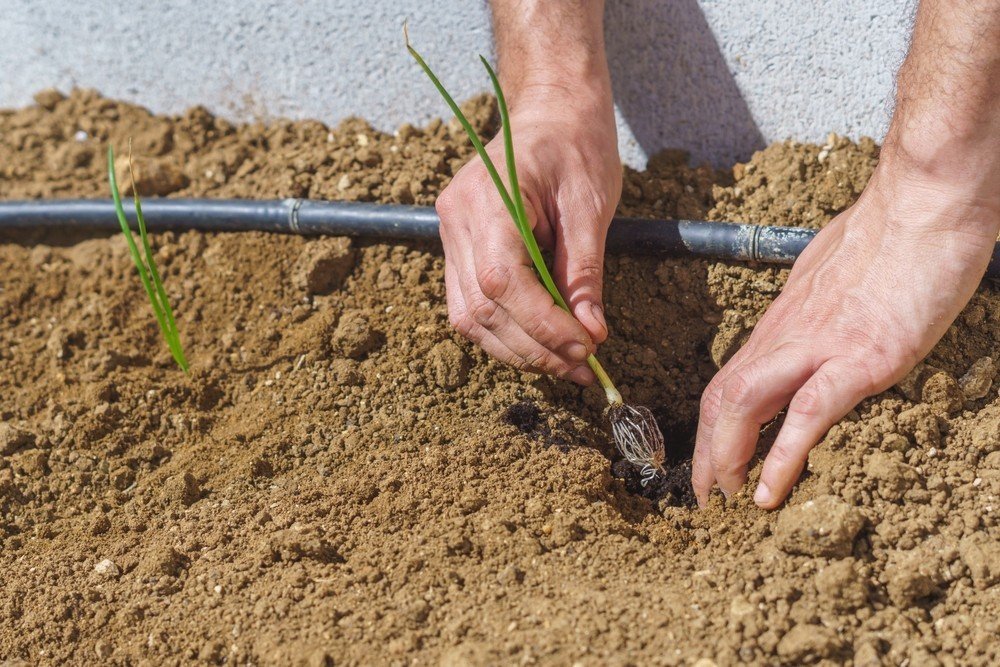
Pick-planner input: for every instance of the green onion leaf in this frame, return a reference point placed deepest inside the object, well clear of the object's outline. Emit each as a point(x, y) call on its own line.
point(148, 273)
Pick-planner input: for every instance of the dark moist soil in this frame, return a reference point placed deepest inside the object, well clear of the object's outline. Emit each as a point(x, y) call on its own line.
point(671, 488)
point(342, 479)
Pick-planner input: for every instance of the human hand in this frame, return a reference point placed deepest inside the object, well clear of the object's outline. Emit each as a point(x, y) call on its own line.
point(570, 176)
point(869, 298)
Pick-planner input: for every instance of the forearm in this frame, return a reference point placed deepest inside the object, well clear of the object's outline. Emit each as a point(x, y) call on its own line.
point(547, 45)
point(946, 125)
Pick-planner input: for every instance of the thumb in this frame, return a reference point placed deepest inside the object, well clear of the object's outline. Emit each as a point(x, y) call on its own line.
point(579, 270)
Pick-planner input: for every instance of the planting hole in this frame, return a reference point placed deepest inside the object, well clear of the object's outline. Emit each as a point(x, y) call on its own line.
point(674, 489)
point(523, 415)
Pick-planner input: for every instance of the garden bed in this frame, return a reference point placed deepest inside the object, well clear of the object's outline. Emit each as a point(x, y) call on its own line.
point(343, 479)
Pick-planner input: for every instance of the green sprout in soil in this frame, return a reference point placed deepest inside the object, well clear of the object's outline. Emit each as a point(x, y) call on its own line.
point(148, 273)
point(636, 434)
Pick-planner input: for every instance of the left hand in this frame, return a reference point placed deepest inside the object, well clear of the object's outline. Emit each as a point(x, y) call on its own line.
point(867, 300)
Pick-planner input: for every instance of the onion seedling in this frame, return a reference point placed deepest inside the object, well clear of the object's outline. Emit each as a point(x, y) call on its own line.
point(148, 273)
point(636, 434)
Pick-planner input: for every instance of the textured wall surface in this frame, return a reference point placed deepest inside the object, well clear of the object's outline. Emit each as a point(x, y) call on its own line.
point(717, 77)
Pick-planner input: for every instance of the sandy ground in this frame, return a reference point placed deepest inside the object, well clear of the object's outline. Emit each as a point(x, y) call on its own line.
point(343, 480)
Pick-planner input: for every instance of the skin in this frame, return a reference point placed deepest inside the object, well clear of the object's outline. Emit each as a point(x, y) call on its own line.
point(852, 319)
point(570, 174)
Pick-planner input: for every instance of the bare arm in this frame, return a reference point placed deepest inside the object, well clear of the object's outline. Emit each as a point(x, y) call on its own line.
point(555, 76)
point(885, 279)
point(947, 119)
point(541, 43)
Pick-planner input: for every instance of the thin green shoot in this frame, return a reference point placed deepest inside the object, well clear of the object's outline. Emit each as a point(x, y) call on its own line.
point(514, 204)
point(145, 264)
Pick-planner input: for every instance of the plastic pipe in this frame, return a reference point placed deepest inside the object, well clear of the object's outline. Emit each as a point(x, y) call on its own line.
point(723, 240)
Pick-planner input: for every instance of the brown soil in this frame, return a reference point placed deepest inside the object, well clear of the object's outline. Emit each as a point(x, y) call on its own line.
point(342, 479)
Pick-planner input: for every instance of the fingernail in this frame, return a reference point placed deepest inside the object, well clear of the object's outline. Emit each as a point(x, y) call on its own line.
point(598, 314)
point(582, 375)
point(762, 496)
point(577, 351)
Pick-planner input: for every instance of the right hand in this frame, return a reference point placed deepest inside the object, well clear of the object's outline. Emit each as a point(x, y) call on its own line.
point(570, 175)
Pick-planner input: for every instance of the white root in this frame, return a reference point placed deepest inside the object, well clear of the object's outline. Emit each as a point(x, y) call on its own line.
point(638, 438)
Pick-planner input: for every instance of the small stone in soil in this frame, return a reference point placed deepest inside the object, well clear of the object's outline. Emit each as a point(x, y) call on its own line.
point(674, 488)
point(107, 568)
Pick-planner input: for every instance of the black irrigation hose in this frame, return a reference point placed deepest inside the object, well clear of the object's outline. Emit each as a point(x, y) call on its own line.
point(776, 245)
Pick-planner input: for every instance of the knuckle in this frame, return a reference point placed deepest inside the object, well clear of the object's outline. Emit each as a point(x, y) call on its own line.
point(739, 390)
point(562, 369)
point(871, 377)
point(700, 472)
point(446, 203)
point(723, 463)
point(494, 280)
point(540, 328)
point(462, 323)
point(542, 359)
point(485, 313)
point(711, 403)
point(594, 204)
point(809, 400)
point(459, 318)
point(589, 267)
point(514, 360)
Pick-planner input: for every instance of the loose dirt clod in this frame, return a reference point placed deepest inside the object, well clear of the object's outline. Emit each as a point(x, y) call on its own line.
point(107, 568)
point(13, 439)
point(826, 526)
point(154, 177)
point(324, 264)
point(449, 365)
point(401, 521)
point(354, 336)
point(978, 380)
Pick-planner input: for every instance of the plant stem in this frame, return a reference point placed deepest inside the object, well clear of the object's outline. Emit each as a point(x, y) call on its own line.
point(613, 395)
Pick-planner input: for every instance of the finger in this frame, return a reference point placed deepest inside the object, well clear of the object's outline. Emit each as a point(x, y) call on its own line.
point(566, 362)
point(832, 391)
point(751, 396)
point(702, 477)
point(505, 276)
point(579, 266)
point(526, 353)
point(458, 314)
point(455, 239)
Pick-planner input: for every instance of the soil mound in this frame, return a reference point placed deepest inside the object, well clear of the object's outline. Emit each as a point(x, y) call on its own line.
point(343, 479)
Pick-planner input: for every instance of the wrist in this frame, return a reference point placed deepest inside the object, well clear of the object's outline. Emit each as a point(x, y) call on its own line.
point(552, 50)
point(960, 161)
point(966, 168)
point(912, 193)
point(590, 103)
point(583, 74)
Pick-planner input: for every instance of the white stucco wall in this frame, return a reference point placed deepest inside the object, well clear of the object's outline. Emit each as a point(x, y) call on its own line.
point(717, 77)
